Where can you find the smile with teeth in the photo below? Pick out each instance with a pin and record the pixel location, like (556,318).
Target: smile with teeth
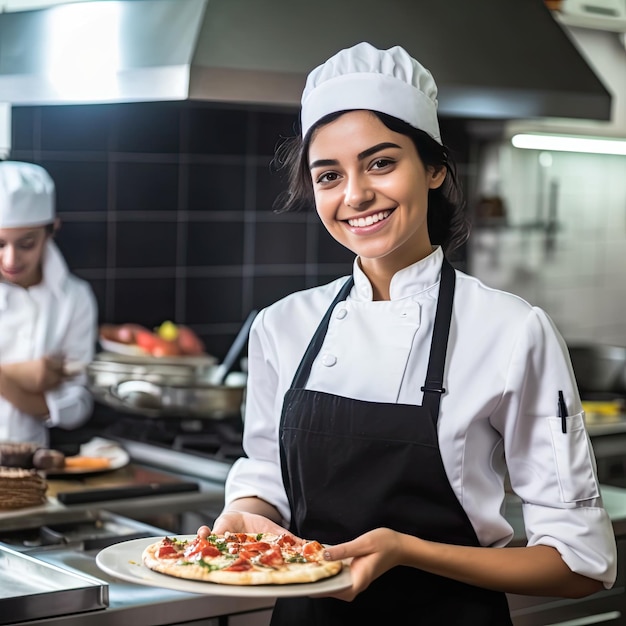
(369,220)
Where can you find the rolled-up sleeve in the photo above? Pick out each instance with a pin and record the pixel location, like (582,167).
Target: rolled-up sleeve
(557,481)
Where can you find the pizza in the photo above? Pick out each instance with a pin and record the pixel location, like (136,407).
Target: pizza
(241,559)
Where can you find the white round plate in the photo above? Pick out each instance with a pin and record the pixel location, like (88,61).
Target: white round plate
(117,347)
(96,447)
(123,561)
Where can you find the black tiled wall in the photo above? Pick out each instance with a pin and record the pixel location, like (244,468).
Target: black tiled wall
(166,210)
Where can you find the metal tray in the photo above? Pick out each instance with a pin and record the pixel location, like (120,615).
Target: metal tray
(33,589)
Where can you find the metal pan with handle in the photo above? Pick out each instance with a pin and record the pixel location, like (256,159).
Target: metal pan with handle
(170,386)
(203,400)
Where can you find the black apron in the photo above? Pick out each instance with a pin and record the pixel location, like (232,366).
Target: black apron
(350,466)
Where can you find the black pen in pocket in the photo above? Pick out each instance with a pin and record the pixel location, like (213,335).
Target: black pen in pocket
(562,412)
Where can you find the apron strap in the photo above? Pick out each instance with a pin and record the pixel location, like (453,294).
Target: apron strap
(302,374)
(433,387)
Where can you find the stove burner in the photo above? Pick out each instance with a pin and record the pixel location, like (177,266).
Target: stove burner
(218,439)
(209,444)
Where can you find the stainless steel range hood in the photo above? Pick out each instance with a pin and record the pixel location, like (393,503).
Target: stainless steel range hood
(491,59)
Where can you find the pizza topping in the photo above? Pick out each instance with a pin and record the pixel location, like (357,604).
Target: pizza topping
(242,558)
(169,548)
(256,546)
(168,551)
(200,548)
(286,540)
(273,557)
(312,549)
(240,565)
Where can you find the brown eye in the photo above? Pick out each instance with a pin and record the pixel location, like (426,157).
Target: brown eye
(328,177)
(381,163)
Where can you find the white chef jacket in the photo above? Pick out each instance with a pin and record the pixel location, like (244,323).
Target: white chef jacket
(56,317)
(505,364)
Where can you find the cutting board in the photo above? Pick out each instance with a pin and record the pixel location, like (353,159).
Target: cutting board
(130,475)
(123,477)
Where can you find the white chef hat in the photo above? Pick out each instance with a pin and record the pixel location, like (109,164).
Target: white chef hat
(364,77)
(27,195)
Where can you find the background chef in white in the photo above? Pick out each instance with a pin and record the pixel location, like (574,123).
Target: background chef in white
(48,317)
(347,453)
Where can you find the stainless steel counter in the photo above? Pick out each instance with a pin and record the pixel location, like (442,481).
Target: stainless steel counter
(134,604)
(599,425)
(139,605)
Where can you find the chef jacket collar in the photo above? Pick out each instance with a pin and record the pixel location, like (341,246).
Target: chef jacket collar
(409,281)
(55,273)
(55,270)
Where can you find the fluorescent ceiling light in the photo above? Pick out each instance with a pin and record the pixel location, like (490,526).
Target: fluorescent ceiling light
(569,143)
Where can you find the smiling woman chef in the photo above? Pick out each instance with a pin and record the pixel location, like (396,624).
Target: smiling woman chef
(48,317)
(385,410)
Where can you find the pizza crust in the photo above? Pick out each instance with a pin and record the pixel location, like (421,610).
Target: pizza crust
(290,573)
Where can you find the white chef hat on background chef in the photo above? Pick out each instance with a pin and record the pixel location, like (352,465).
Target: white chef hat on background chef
(27,195)
(364,77)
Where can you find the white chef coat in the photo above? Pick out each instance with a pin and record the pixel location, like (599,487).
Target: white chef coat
(58,316)
(505,364)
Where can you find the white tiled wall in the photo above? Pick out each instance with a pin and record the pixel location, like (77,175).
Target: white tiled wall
(581,283)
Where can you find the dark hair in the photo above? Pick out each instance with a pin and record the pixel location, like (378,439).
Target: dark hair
(448,225)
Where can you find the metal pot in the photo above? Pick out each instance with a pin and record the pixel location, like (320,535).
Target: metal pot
(599,368)
(163,386)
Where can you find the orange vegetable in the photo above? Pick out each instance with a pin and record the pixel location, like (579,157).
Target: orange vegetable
(87,462)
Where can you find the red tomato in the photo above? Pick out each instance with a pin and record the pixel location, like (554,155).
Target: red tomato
(189,343)
(155,345)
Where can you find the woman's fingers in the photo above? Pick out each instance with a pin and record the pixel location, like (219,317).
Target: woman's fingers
(368,556)
(204,532)
(361,546)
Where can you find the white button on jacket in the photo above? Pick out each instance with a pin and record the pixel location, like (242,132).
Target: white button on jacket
(499,346)
(329,360)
